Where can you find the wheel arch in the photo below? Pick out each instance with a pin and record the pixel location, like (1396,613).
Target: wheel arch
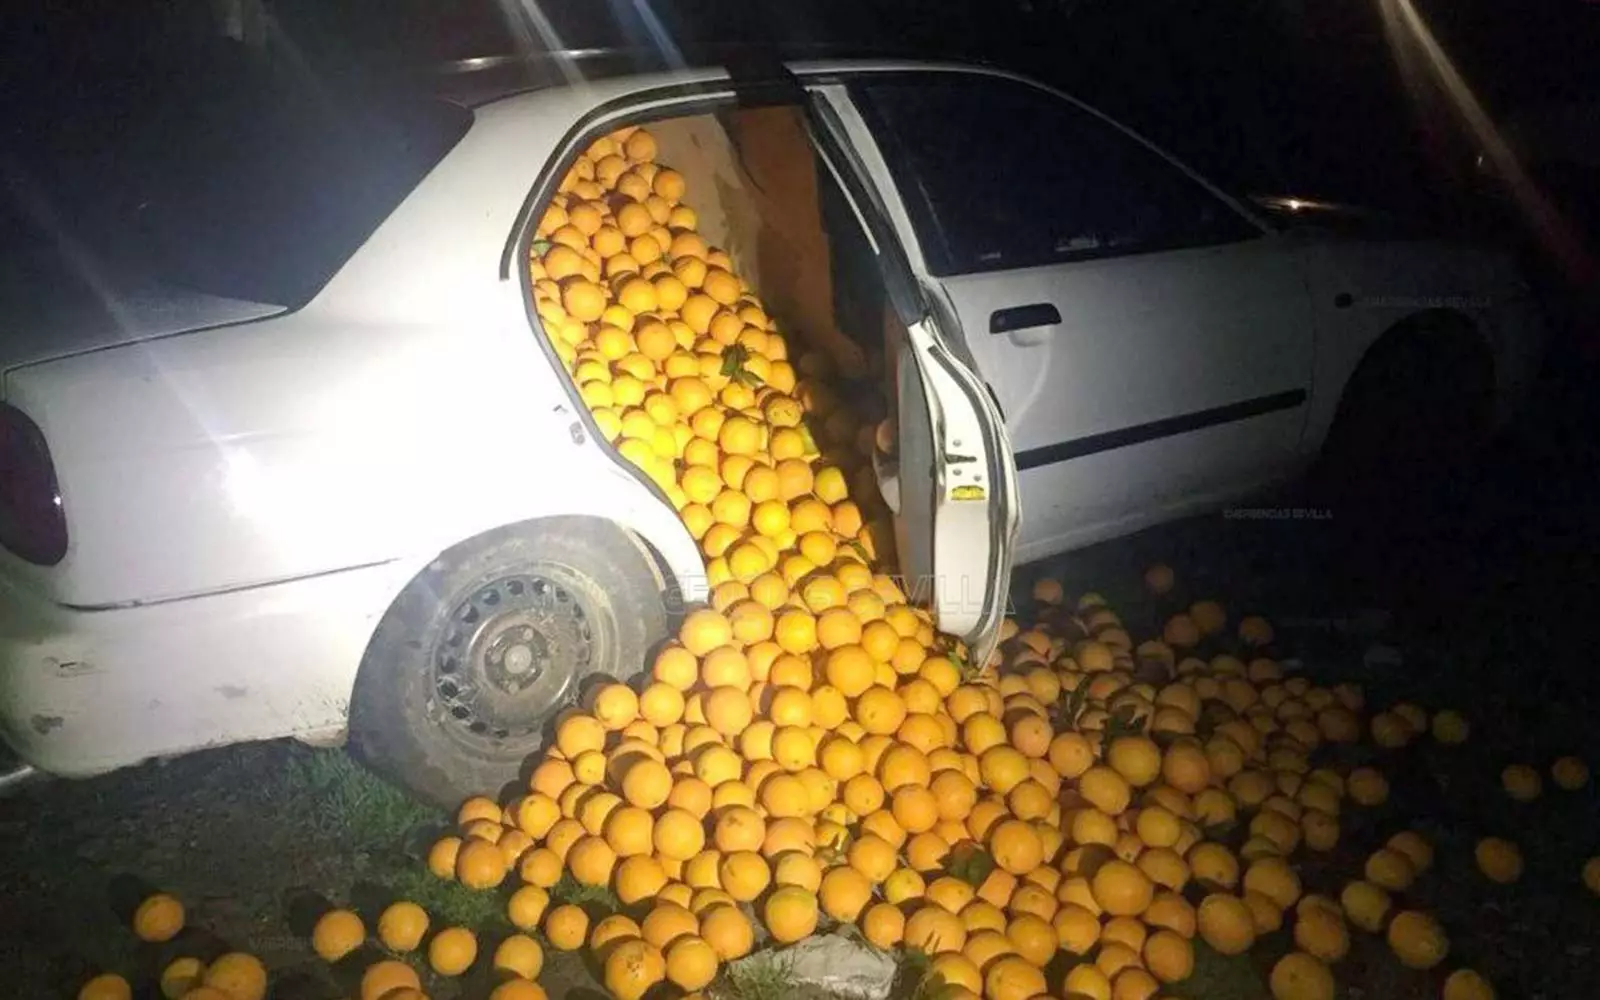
(679,571)
(1417,401)
(1455,335)
(397,649)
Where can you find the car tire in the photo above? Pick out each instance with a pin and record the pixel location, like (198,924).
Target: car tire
(467,670)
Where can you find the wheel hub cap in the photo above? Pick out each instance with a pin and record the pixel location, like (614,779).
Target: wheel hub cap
(512,653)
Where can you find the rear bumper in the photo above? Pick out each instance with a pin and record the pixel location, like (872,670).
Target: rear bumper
(83,692)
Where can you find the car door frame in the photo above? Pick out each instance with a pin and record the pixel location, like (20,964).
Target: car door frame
(865,140)
(767,83)
(937,362)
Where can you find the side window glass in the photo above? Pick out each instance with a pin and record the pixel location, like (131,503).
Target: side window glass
(999,175)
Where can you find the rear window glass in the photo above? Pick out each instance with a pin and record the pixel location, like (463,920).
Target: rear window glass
(236,175)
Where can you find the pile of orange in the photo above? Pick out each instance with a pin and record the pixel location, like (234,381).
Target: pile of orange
(810,752)
(692,381)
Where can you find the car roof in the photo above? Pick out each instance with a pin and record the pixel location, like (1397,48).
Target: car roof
(479,81)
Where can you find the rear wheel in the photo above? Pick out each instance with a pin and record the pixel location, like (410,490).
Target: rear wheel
(471,663)
(1410,417)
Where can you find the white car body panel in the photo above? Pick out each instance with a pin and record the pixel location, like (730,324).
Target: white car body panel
(1142,339)
(314,461)
(1146,338)
(1391,280)
(244,502)
(87,691)
(956,526)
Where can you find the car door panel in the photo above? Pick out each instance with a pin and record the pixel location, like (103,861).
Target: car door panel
(1168,346)
(1199,332)
(954,477)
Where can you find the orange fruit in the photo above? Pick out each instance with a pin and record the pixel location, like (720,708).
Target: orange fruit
(677,667)
(106,986)
(935,930)
(878,709)
(583,299)
(637,878)
(179,977)
(1299,976)
(1467,984)
(1033,937)
(1521,782)
(1012,977)
(850,670)
(388,977)
(844,893)
(725,928)
(565,927)
(238,975)
(480,864)
(883,925)
(1016,846)
(1389,869)
(520,955)
(336,934)
(721,286)
(1071,754)
(668,922)
(1273,878)
(158,918)
(1121,888)
(646,782)
(1416,940)
(915,808)
(1570,774)
(614,706)
(725,666)
(632,967)
(691,962)
(1500,860)
(402,925)
(790,914)
(1135,758)
(1004,768)
(704,630)
(1226,924)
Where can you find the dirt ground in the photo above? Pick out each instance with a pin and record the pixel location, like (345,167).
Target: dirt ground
(1489,596)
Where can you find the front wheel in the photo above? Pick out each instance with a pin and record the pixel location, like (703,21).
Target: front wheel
(477,655)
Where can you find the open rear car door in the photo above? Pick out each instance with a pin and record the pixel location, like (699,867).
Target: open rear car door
(953,482)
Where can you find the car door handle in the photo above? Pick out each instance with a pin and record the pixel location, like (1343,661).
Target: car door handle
(1026,325)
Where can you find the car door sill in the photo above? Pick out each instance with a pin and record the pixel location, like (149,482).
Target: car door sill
(1185,423)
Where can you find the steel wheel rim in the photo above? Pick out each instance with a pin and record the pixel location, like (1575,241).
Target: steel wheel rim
(512,652)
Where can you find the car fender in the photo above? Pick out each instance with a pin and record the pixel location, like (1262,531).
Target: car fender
(614,494)
(1364,289)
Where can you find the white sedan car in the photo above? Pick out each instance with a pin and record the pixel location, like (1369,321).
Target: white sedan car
(297,493)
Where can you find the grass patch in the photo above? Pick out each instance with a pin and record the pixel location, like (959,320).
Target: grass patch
(590,897)
(447,902)
(345,801)
(914,978)
(762,977)
(1224,978)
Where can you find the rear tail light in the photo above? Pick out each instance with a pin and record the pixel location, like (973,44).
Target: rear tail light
(32,522)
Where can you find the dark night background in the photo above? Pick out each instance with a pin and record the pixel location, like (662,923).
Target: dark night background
(1285,92)
(1263,96)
